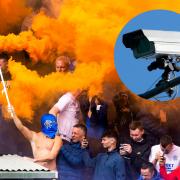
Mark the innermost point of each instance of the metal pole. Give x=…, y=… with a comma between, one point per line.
x=165, y=86
x=5, y=90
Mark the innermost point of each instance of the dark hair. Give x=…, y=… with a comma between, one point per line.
x=136, y=125
x=4, y=56
x=81, y=126
x=120, y=103
x=84, y=102
x=111, y=134
x=165, y=141
x=148, y=165
x=96, y=97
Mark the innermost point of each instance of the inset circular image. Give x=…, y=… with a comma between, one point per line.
x=147, y=55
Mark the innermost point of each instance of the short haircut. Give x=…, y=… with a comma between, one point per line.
x=82, y=127
x=65, y=59
x=148, y=165
x=136, y=125
x=111, y=134
x=165, y=141
x=4, y=56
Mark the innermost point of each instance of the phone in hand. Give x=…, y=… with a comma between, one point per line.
x=121, y=147
x=162, y=158
x=84, y=143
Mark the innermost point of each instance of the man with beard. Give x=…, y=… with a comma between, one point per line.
x=70, y=162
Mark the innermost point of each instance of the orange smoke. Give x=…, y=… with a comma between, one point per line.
x=89, y=30
x=29, y=90
x=12, y=14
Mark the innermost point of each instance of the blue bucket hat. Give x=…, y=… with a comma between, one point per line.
x=49, y=125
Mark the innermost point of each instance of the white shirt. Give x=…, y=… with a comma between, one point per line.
x=69, y=115
x=172, y=158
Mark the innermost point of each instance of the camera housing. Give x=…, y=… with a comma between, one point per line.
x=153, y=43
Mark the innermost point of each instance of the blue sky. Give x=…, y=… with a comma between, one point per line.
x=133, y=72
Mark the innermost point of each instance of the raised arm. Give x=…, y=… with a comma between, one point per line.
x=54, y=151
x=154, y=156
x=54, y=110
x=60, y=105
x=23, y=129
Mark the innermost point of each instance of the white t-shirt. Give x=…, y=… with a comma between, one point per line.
x=69, y=115
x=172, y=158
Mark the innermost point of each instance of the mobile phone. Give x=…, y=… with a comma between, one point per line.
x=121, y=147
x=162, y=158
x=85, y=141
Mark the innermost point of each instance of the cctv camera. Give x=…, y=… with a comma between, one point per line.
x=153, y=43
x=161, y=46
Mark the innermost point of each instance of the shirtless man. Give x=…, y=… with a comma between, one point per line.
x=45, y=144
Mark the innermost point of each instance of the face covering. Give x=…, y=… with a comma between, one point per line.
x=49, y=125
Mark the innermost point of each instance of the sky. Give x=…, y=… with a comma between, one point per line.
x=133, y=72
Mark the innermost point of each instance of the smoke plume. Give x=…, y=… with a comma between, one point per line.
x=87, y=29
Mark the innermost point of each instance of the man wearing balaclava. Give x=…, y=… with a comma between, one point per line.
x=45, y=144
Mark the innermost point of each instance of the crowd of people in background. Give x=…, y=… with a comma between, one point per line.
x=130, y=155
x=136, y=147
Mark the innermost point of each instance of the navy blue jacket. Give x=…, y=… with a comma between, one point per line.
x=107, y=166
x=69, y=162
x=99, y=117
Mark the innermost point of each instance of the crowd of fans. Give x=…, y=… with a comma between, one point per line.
x=126, y=155
x=136, y=147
